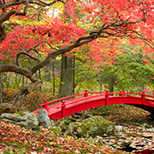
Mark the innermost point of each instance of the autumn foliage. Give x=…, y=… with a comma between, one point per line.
x=97, y=28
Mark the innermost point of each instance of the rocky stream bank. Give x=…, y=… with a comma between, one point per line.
x=134, y=129
x=125, y=128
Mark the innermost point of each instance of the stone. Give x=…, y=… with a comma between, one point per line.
x=24, y=119
x=7, y=108
x=44, y=119
x=146, y=125
x=55, y=131
x=118, y=127
x=150, y=129
x=93, y=126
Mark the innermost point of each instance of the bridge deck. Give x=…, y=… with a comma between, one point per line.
x=64, y=108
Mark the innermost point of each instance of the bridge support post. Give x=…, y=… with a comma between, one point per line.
x=121, y=93
x=45, y=104
x=143, y=97
x=107, y=97
x=63, y=113
x=86, y=93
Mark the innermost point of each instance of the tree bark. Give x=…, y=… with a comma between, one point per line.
x=2, y=32
x=53, y=78
x=100, y=81
x=111, y=84
x=1, y=86
x=66, y=79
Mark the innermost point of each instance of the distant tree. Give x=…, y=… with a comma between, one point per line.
x=1, y=87
x=128, y=73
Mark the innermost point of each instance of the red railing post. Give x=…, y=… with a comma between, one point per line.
x=143, y=97
x=45, y=104
x=107, y=97
x=86, y=93
x=63, y=112
x=121, y=93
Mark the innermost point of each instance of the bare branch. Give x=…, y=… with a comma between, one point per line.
x=2, y=32
x=14, y=12
x=4, y=16
x=17, y=69
x=2, y=2
x=59, y=52
x=24, y=53
x=43, y=4
x=141, y=37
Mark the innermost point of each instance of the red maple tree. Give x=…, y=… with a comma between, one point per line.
x=106, y=23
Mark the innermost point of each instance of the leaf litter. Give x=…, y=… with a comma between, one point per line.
x=129, y=139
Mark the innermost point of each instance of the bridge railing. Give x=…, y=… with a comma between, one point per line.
x=106, y=94
x=143, y=96
x=85, y=94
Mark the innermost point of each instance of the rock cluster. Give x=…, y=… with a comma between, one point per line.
x=93, y=126
x=24, y=119
x=28, y=119
x=128, y=139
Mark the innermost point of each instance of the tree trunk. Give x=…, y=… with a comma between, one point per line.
x=100, y=87
x=1, y=87
x=100, y=81
x=53, y=77
x=66, y=79
x=17, y=102
x=111, y=84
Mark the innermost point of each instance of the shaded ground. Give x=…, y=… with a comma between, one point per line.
x=31, y=101
x=120, y=114
x=127, y=114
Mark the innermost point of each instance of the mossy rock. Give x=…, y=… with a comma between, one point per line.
x=24, y=119
x=93, y=126
x=20, y=113
x=55, y=131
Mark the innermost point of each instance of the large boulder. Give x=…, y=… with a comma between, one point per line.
x=7, y=108
x=44, y=119
x=93, y=126
x=24, y=119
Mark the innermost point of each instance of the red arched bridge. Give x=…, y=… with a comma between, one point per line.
x=63, y=107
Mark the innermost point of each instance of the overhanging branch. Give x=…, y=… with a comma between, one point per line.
x=17, y=69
